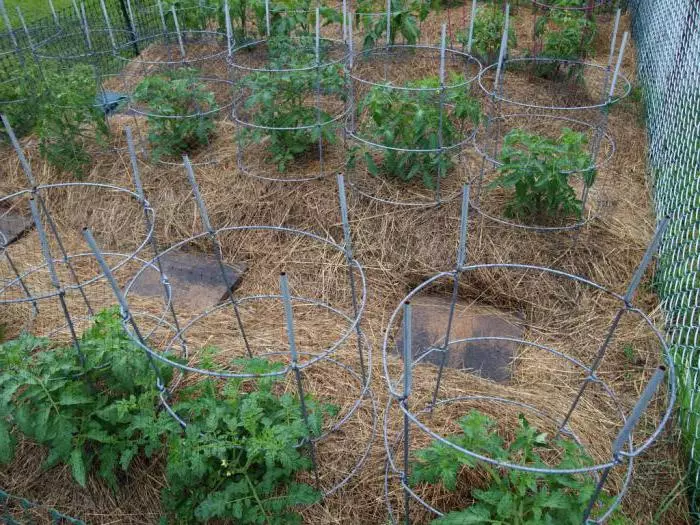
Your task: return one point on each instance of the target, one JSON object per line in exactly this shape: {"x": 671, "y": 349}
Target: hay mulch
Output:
{"x": 398, "y": 248}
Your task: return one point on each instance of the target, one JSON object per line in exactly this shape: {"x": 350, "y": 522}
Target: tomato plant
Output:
{"x": 98, "y": 414}
{"x": 70, "y": 118}
{"x": 287, "y": 100}
{"x": 538, "y": 168}
{"x": 566, "y": 34}
{"x": 181, "y": 111}
{"x": 410, "y": 120}
{"x": 487, "y": 33}
{"x": 192, "y": 15}
{"x": 518, "y": 497}
{"x": 404, "y": 20}
{"x": 19, "y": 104}
{"x": 241, "y": 451}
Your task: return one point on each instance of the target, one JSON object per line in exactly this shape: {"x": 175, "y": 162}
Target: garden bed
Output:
{"x": 398, "y": 248}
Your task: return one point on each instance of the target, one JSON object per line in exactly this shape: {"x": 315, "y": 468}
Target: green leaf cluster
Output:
{"x": 287, "y": 18}
{"x": 69, "y": 118}
{"x": 18, "y": 102}
{"x": 192, "y": 15}
{"x": 238, "y": 458}
{"x": 97, "y": 414}
{"x": 405, "y": 18}
{"x": 566, "y": 34}
{"x": 411, "y": 119}
{"x": 181, "y": 111}
{"x": 241, "y": 451}
{"x": 288, "y": 100}
{"x": 538, "y": 168}
{"x": 487, "y": 34}
{"x": 510, "y": 497}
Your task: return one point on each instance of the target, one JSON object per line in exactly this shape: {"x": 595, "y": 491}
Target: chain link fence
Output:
{"x": 667, "y": 34}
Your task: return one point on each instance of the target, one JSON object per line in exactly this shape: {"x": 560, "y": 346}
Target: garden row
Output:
{"x": 413, "y": 110}
{"x": 241, "y": 438}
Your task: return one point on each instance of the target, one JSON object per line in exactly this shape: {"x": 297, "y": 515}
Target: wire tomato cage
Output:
{"x": 417, "y": 415}
{"x": 46, "y": 270}
{"x": 180, "y": 83}
{"x": 290, "y": 104}
{"x": 419, "y": 84}
{"x": 579, "y": 101}
{"x": 316, "y": 340}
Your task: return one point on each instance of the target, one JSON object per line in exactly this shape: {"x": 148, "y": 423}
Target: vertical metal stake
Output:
{"x": 349, "y": 258}
{"x": 167, "y": 291}
{"x": 631, "y": 289}
{"x": 217, "y": 250}
{"x": 289, "y": 319}
{"x": 48, "y": 259}
{"x": 407, "y": 384}
{"x": 461, "y": 257}
{"x": 626, "y": 431}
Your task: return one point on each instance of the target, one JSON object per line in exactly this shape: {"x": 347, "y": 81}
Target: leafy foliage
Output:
{"x": 287, "y": 18}
{"x": 286, "y": 100}
{"x": 99, "y": 414}
{"x": 241, "y": 451}
{"x": 238, "y": 458}
{"x": 515, "y": 498}
{"x": 19, "y": 105}
{"x": 538, "y": 169}
{"x": 182, "y": 111}
{"x": 487, "y": 33}
{"x": 410, "y": 119}
{"x": 191, "y": 14}
{"x": 405, "y": 18}
{"x": 566, "y": 34}
{"x": 70, "y": 119}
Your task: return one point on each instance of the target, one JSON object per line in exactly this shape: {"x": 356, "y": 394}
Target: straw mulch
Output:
{"x": 398, "y": 248}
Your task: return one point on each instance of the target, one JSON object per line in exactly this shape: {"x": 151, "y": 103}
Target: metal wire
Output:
{"x": 125, "y": 257}
{"x": 354, "y": 129}
{"x": 623, "y": 449}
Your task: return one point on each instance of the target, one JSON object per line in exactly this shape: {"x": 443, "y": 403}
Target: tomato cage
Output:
{"x": 529, "y": 114}
{"x": 181, "y": 94}
{"x": 552, "y": 20}
{"x": 224, "y": 307}
{"x": 76, "y": 69}
{"x": 412, "y": 113}
{"x": 514, "y": 351}
{"x": 49, "y": 282}
{"x": 290, "y": 104}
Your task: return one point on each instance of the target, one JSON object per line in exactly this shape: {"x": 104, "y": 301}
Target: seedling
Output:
{"x": 287, "y": 100}
{"x": 566, "y": 34}
{"x": 515, "y": 497}
{"x": 487, "y": 34}
{"x": 404, "y": 21}
{"x": 97, "y": 415}
{"x": 70, "y": 119}
{"x": 241, "y": 452}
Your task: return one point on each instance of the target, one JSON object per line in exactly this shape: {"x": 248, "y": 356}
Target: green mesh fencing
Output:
{"x": 667, "y": 35}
